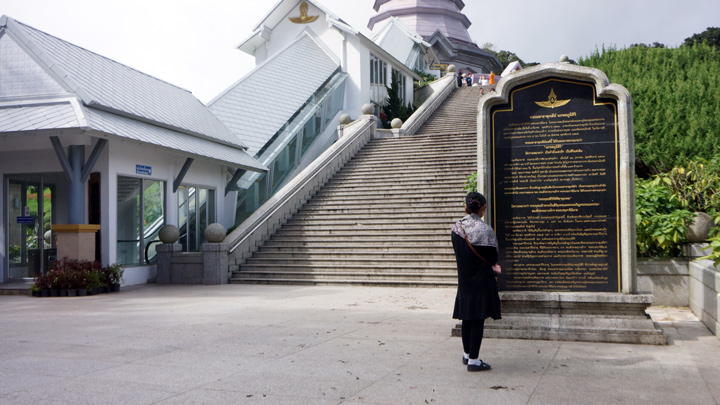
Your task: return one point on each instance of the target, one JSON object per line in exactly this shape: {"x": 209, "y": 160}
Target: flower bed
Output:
{"x": 70, "y": 277}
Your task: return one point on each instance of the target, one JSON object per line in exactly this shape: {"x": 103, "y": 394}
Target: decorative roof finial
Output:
{"x": 304, "y": 18}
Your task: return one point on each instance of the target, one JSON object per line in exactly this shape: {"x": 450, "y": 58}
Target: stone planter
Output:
{"x": 699, "y": 228}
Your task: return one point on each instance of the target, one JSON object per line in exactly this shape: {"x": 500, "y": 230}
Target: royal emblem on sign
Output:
{"x": 552, "y": 101}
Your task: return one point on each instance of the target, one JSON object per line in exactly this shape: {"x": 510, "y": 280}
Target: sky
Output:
{"x": 192, "y": 43}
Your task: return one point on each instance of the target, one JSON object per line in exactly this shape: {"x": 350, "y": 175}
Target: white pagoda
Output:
{"x": 443, "y": 25}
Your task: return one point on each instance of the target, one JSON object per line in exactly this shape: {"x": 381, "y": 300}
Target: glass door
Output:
{"x": 30, "y": 241}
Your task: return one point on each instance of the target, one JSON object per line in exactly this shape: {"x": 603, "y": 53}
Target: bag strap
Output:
{"x": 471, "y": 246}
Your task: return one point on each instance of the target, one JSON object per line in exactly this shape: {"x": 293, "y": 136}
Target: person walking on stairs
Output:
{"x": 476, "y": 253}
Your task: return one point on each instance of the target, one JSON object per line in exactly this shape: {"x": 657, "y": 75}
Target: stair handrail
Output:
{"x": 418, "y": 118}
{"x": 248, "y": 236}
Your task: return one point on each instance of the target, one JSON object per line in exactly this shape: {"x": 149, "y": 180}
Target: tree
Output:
{"x": 711, "y": 35}
{"x": 506, "y": 57}
{"x": 653, "y": 45}
{"x": 676, "y": 101}
{"x": 394, "y": 107}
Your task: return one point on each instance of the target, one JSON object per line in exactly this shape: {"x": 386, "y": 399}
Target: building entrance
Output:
{"x": 30, "y": 243}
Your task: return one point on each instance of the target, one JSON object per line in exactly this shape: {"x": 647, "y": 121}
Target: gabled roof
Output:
{"x": 399, "y": 40}
{"x": 103, "y": 87}
{"x": 263, "y": 30}
{"x": 257, "y": 106}
{"x": 513, "y": 66}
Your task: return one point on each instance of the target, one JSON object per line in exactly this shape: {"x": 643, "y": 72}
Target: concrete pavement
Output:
{"x": 235, "y": 344}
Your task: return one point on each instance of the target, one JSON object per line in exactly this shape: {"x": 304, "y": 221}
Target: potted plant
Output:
{"x": 35, "y": 290}
{"x": 41, "y": 288}
{"x": 94, "y": 285}
{"x": 115, "y": 274}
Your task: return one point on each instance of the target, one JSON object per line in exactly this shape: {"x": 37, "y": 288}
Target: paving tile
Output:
{"x": 234, "y": 344}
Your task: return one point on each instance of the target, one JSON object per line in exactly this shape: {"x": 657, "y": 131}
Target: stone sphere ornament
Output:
{"x": 564, "y": 58}
{"x": 345, "y": 119}
{"x": 396, "y": 123}
{"x": 368, "y": 109}
{"x": 169, "y": 234}
{"x": 215, "y": 233}
{"x": 451, "y": 69}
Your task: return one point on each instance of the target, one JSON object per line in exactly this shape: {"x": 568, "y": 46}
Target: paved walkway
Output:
{"x": 321, "y": 345}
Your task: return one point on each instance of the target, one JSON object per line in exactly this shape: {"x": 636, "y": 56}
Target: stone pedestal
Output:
{"x": 165, "y": 253}
{"x": 696, "y": 250}
{"x": 76, "y": 241}
{"x": 579, "y": 317}
{"x": 215, "y": 263}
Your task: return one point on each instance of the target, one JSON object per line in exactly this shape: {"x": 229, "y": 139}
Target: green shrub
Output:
{"x": 471, "y": 183}
{"x": 676, "y": 100}
{"x": 660, "y": 219}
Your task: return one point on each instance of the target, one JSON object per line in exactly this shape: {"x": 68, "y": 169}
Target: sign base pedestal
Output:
{"x": 572, "y": 316}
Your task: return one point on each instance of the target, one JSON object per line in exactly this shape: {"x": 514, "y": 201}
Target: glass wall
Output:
{"x": 140, "y": 215}
{"x": 286, "y": 150}
{"x": 196, "y": 210}
{"x": 30, "y": 244}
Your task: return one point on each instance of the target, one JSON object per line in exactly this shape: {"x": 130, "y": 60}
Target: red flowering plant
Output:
{"x": 71, "y": 274}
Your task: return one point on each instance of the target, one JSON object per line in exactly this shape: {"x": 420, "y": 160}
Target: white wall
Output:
{"x": 123, "y": 158}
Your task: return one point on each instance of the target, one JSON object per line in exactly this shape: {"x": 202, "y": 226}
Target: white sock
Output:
{"x": 466, "y": 356}
{"x": 474, "y": 362}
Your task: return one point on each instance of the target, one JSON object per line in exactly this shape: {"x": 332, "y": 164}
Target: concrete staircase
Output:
{"x": 385, "y": 218}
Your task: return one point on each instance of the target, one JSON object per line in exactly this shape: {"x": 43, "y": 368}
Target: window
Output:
{"x": 140, "y": 215}
{"x": 378, "y": 80}
{"x": 196, "y": 210}
{"x": 396, "y": 75}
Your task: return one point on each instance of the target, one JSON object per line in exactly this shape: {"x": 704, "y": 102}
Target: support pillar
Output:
{"x": 215, "y": 263}
{"x": 76, "y": 241}
{"x": 76, "y": 192}
{"x": 165, "y": 252}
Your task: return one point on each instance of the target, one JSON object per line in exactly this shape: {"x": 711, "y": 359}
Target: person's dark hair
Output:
{"x": 474, "y": 201}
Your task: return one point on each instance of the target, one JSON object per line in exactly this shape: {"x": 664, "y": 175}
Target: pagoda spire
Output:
{"x": 442, "y": 24}
{"x": 426, "y": 17}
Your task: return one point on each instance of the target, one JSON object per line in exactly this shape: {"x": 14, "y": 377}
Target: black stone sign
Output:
{"x": 555, "y": 188}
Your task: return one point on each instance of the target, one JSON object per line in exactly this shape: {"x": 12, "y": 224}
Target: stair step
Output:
{"x": 384, "y": 219}
{"x": 399, "y": 282}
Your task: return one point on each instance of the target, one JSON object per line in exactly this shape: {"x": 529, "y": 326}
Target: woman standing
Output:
{"x": 476, "y": 253}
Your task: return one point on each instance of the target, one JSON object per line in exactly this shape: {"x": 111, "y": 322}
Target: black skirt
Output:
{"x": 477, "y": 294}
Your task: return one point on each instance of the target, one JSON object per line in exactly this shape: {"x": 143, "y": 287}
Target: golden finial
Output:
{"x": 304, "y": 18}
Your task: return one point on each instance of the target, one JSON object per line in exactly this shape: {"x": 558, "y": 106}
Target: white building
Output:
{"x": 311, "y": 68}
{"x": 88, "y": 141}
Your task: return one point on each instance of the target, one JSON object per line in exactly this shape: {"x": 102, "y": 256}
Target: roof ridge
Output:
{"x": 267, "y": 61}
{"x": 26, "y": 26}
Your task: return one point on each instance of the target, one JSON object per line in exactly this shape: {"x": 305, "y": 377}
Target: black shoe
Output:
{"x": 482, "y": 367}
{"x": 465, "y": 360}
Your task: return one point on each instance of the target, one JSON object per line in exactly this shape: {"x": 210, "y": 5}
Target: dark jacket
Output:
{"x": 477, "y": 294}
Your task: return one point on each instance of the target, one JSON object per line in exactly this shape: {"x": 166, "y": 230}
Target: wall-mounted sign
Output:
{"x": 27, "y": 220}
{"x": 144, "y": 170}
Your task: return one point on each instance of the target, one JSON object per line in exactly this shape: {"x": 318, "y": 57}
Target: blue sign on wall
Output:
{"x": 144, "y": 170}
{"x": 26, "y": 220}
